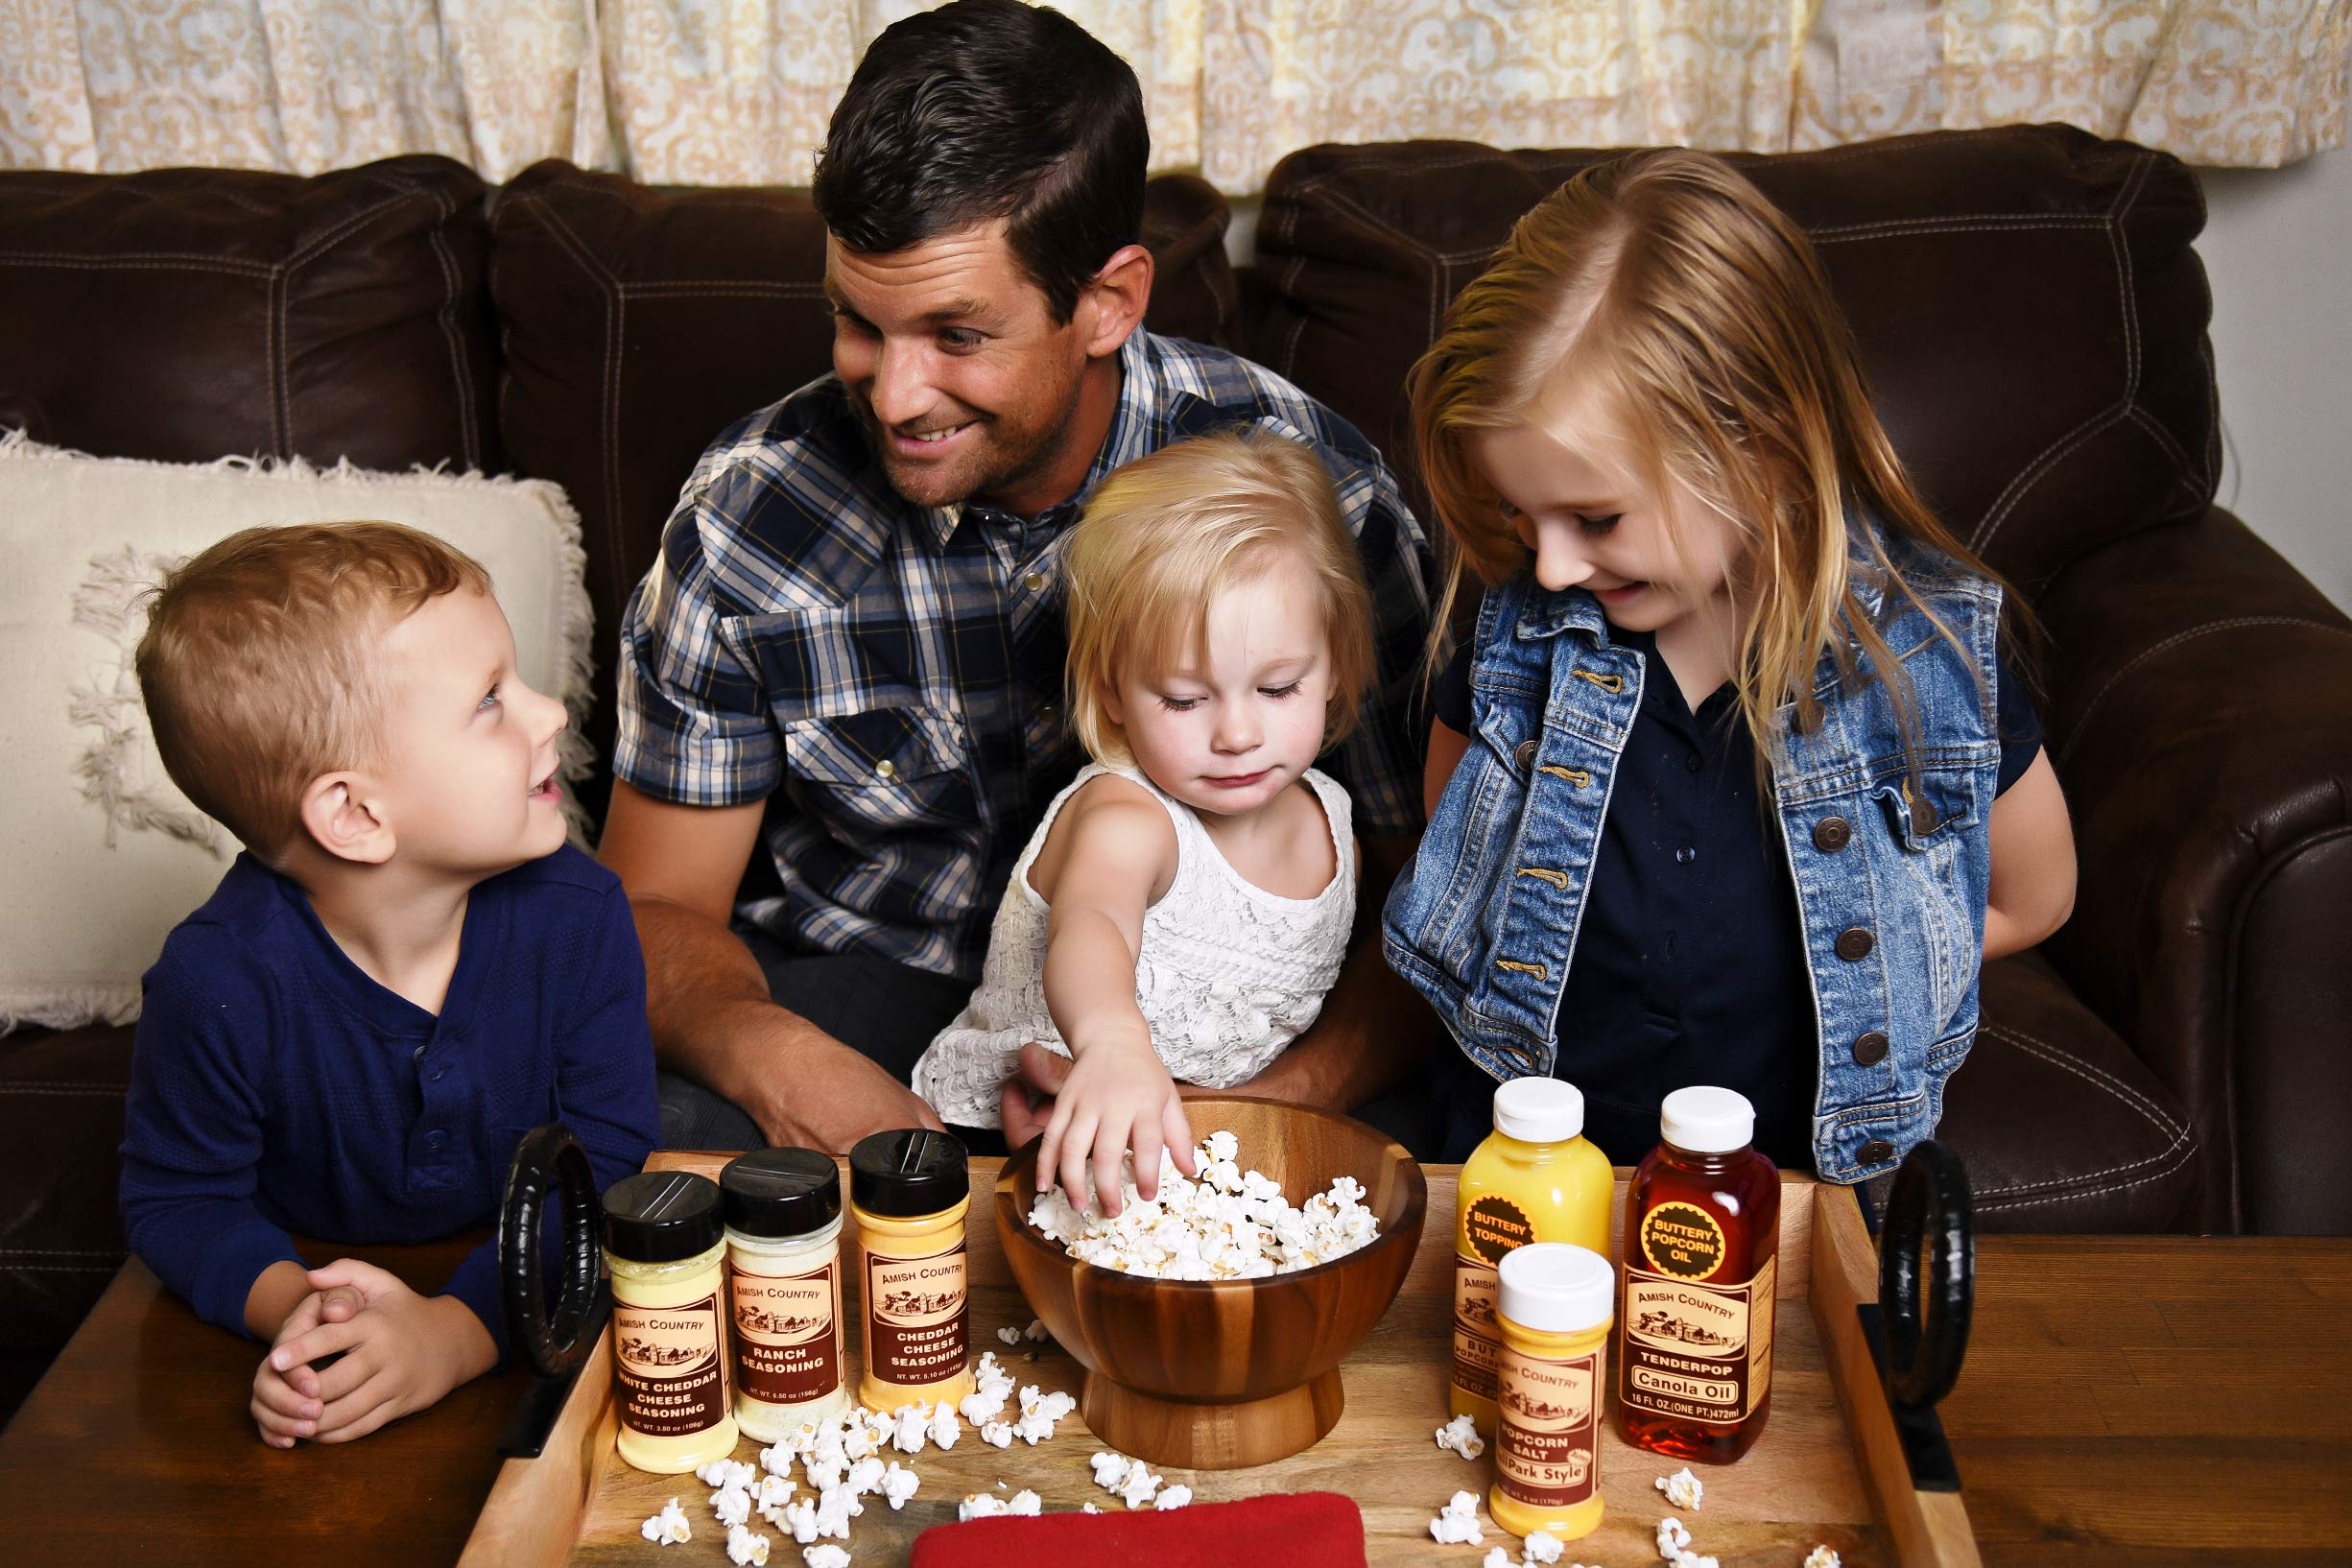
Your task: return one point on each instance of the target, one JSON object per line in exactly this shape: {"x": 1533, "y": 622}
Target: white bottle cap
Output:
{"x": 1554, "y": 1288}
{"x": 1707, "y": 1121}
{"x": 1539, "y": 1111}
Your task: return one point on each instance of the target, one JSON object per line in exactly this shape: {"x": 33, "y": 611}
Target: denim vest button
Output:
{"x": 1832, "y": 833}
{"x": 1854, "y": 943}
{"x": 1870, "y": 1049}
{"x": 1877, "y": 1151}
{"x": 1524, "y": 756}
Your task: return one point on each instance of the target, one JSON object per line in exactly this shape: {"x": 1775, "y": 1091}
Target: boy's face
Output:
{"x": 469, "y": 767}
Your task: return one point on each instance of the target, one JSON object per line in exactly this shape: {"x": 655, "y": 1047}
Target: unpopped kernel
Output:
{"x": 1460, "y": 1435}
{"x": 1227, "y": 1224}
{"x": 1682, "y": 1488}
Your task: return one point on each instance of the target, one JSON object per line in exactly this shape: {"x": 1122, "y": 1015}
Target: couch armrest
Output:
{"x": 2200, "y": 718}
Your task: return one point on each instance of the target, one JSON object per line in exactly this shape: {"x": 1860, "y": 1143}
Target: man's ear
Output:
{"x": 1112, "y": 305}
{"x": 345, "y": 820}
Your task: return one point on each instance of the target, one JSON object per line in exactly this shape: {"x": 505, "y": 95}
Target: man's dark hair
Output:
{"x": 989, "y": 109}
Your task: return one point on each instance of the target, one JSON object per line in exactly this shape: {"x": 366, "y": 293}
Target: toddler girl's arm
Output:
{"x": 2033, "y": 863}
{"x": 1109, "y": 856}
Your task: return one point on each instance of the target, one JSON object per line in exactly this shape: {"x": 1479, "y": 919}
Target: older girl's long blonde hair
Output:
{"x": 1667, "y": 287}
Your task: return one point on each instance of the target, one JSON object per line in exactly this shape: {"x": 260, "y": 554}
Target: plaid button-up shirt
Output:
{"x": 888, "y": 676}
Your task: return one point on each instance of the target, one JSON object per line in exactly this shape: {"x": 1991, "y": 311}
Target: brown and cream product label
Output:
{"x": 1696, "y": 1353}
{"x": 1493, "y": 1225}
{"x": 914, "y": 1318}
{"x": 671, "y": 1367}
{"x": 1545, "y": 1449}
{"x": 788, "y": 1333}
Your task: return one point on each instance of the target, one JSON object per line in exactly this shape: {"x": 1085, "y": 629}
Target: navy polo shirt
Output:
{"x": 1689, "y": 964}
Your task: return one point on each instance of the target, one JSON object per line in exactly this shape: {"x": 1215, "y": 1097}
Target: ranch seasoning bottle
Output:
{"x": 1694, "y": 1327}
{"x": 1536, "y": 1179}
{"x": 784, "y": 1263}
{"x": 664, "y": 1243}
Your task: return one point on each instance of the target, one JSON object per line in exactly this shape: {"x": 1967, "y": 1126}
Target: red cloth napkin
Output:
{"x": 1300, "y": 1530}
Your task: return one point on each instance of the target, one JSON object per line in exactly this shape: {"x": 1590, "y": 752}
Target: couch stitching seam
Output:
{"x": 2232, "y": 623}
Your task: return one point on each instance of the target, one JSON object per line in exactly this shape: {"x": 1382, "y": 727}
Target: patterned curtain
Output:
{"x": 738, "y": 91}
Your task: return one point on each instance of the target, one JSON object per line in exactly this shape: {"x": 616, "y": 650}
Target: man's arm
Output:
{"x": 706, "y": 997}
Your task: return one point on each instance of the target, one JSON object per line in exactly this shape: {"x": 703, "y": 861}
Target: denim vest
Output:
{"x": 1890, "y": 868}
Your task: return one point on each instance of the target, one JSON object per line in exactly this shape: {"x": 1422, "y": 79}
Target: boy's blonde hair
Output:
{"x": 1666, "y": 289}
{"x": 260, "y": 665}
{"x": 1166, "y": 534}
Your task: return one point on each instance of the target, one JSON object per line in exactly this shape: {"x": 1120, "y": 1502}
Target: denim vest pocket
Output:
{"x": 1842, "y": 1140}
{"x": 1936, "y": 802}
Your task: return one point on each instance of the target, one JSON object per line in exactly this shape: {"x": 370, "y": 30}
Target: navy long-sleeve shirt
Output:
{"x": 276, "y": 1087}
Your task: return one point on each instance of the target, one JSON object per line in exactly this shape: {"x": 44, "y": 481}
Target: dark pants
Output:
{"x": 875, "y": 1006}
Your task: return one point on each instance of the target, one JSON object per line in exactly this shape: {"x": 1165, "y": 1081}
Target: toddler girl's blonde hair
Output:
{"x": 1166, "y": 534}
{"x": 1666, "y": 289}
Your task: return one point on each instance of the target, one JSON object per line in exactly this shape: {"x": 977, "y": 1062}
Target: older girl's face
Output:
{"x": 1571, "y": 491}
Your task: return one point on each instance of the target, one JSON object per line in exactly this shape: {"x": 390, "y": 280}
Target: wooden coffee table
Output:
{"x": 2125, "y": 1401}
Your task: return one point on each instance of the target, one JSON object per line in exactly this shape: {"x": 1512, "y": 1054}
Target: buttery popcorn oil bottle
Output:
{"x": 1695, "y": 1326}
{"x": 1536, "y": 1179}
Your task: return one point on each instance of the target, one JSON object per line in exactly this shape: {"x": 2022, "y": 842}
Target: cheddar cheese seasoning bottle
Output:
{"x": 1702, "y": 1238}
{"x": 664, "y": 1243}
{"x": 1537, "y": 1178}
{"x": 1553, "y": 1310}
{"x": 908, "y": 1194}
{"x": 784, "y": 1267}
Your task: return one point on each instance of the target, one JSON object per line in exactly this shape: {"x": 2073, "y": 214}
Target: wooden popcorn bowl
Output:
{"x": 1218, "y": 1375}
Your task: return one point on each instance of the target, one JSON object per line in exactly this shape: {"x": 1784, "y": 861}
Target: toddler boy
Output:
{"x": 405, "y": 971}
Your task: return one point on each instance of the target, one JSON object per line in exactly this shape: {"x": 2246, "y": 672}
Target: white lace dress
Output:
{"x": 1228, "y": 975}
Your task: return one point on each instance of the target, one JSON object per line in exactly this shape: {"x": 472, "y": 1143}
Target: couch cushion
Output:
{"x": 638, "y": 323}
{"x": 191, "y": 314}
{"x": 2031, "y": 317}
{"x": 61, "y": 1124}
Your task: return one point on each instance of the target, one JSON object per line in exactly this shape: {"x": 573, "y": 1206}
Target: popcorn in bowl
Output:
{"x": 1228, "y": 1224}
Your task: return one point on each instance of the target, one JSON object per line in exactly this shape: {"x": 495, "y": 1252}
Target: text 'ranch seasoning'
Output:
{"x": 908, "y": 1193}
{"x": 1702, "y": 1242}
{"x": 1553, "y": 1310}
{"x": 665, "y": 1244}
{"x": 784, "y": 1271}
{"x": 1536, "y": 1179}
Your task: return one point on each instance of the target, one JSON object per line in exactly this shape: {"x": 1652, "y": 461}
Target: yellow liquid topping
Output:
{"x": 1511, "y": 1193}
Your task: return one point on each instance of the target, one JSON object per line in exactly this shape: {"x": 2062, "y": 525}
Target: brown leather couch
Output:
{"x": 2032, "y": 317}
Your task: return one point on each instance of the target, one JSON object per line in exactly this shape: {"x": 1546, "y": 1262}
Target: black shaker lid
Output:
{"x": 662, "y": 1216}
{"x": 781, "y": 1191}
{"x": 909, "y": 1172}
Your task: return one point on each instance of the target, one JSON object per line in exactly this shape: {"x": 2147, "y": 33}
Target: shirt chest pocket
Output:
{"x": 891, "y": 767}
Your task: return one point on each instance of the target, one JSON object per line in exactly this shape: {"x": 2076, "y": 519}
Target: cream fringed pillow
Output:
{"x": 99, "y": 855}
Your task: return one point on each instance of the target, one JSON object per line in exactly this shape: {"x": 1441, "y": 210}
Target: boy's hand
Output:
{"x": 286, "y": 1404}
{"x": 399, "y": 1355}
{"x": 1118, "y": 1096}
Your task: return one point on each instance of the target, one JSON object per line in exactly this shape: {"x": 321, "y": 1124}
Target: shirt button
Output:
{"x": 1694, "y": 762}
{"x": 438, "y": 1073}
{"x": 1034, "y": 582}
{"x": 1524, "y": 756}
{"x": 1854, "y": 943}
{"x": 1877, "y": 1151}
{"x": 434, "y": 1140}
{"x": 886, "y": 769}
{"x": 1685, "y": 855}
{"x": 1832, "y": 833}
{"x": 1049, "y": 713}
{"x": 418, "y": 1054}
{"x": 1870, "y": 1049}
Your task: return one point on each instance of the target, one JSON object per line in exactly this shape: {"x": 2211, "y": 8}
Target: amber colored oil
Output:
{"x": 1741, "y": 1191}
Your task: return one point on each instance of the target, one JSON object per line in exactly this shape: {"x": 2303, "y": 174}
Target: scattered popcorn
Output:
{"x": 997, "y": 1434}
{"x": 1457, "y": 1524}
{"x": 721, "y": 1474}
{"x": 1227, "y": 1224}
{"x": 1089, "y": 1508}
{"x": 669, "y": 1526}
{"x": 779, "y": 1461}
{"x": 732, "y": 1506}
{"x": 800, "y": 1518}
{"x": 1033, "y": 1428}
{"x": 981, "y": 1505}
{"x": 981, "y": 1406}
{"x": 1036, "y": 1330}
{"x": 745, "y": 1548}
{"x": 825, "y": 1557}
{"x": 1682, "y": 1488}
{"x": 1673, "y": 1537}
{"x": 898, "y": 1484}
{"x": 1460, "y": 1435}
{"x": 1223, "y": 1146}
{"x": 1010, "y": 1334}
{"x": 1027, "y": 1503}
{"x": 1691, "y": 1559}
{"x": 944, "y": 1428}
{"x": 1109, "y": 1469}
{"x": 865, "y": 1477}
{"x": 772, "y": 1492}
{"x": 1137, "y": 1488}
{"x": 835, "y": 1508}
{"x": 1174, "y": 1497}
{"x": 824, "y": 1474}
{"x": 1821, "y": 1557}
{"x": 1497, "y": 1557}
{"x": 1542, "y": 1547}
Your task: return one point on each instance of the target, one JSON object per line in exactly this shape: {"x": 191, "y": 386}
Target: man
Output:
{"x": 848, "y": 656}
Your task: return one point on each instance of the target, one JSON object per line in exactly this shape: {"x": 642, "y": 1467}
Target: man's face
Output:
{"x": 953, "y": 361}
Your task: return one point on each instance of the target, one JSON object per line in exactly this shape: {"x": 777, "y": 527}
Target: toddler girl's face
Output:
{"x": 1241, "y": 718}
{"x": 1572, "y": 493}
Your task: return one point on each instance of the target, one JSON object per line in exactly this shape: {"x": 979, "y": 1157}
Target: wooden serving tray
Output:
{"x": 1828, "y": 1470}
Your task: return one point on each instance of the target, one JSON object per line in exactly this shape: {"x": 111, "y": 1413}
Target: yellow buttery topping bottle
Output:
{"x": 1536, "y": 1179}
